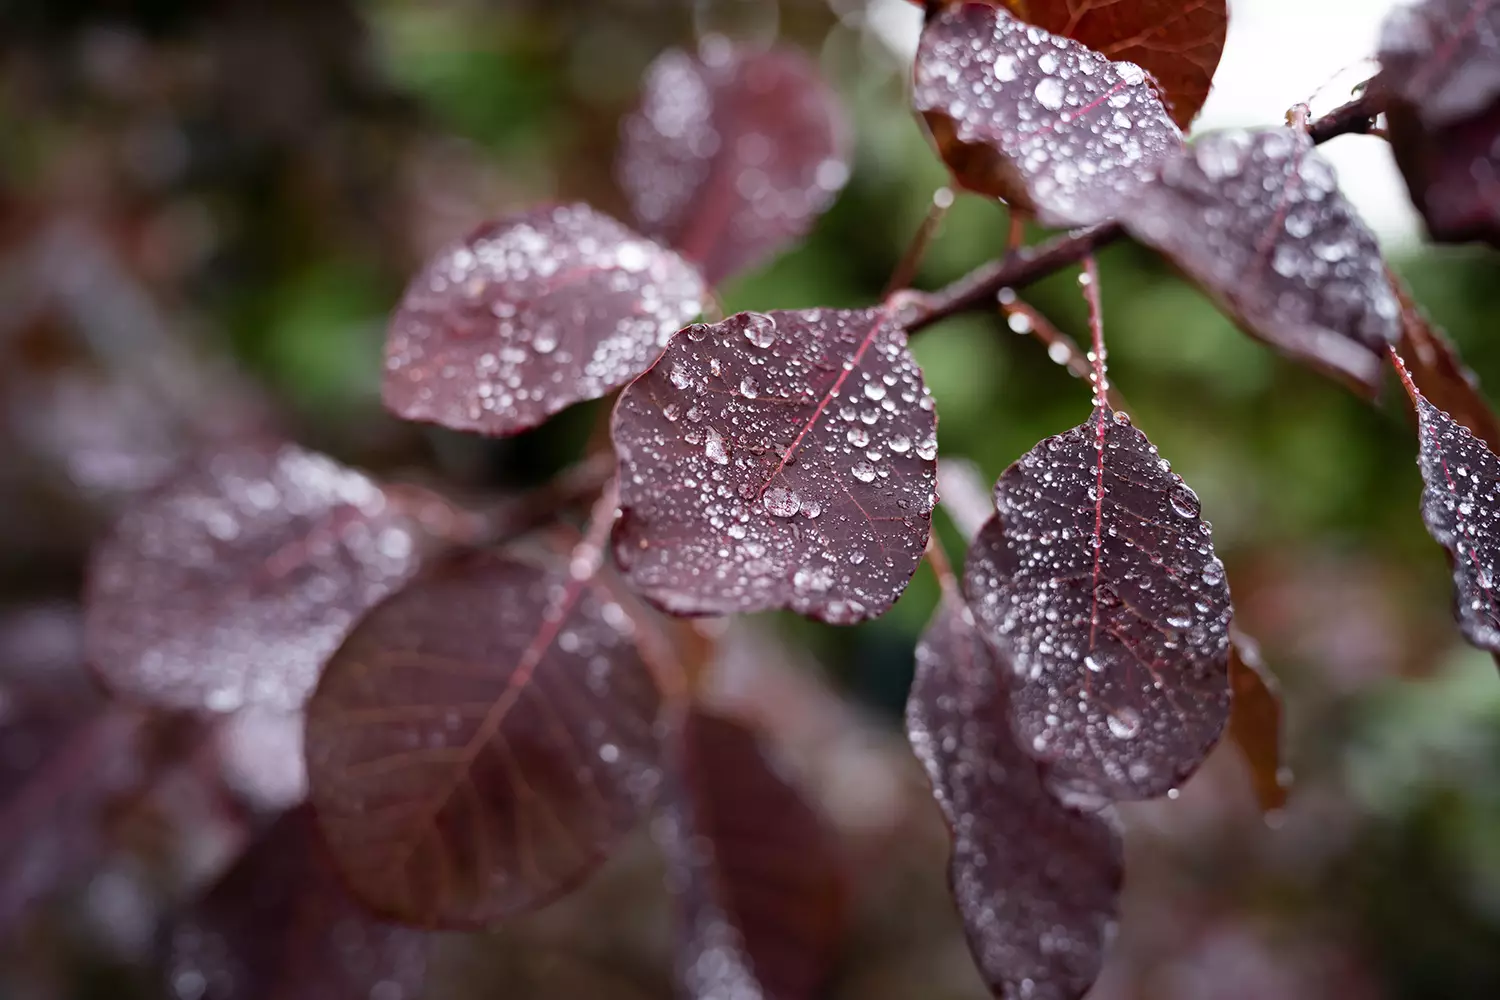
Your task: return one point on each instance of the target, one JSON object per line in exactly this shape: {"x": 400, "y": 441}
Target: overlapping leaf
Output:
{"x": 1435, "y": 365}
{"x": 1098, "y": 582}
{"x": 780, "y": 460}
{"x": 236, "y": 580}
{"x": 279, "y": 926}
{"x": 482, "y": 741}
{"x": 1440, "y": 85}
{"x": 732, "y": 154}
{"x": 1037, "y": 119}
{"x": 759, "y": 882}
{"x": 1035, "y": 880}
{"x": 1255, "y": 721}
{"x": 531, "y": 314}
{"x": 1256, "y": 218}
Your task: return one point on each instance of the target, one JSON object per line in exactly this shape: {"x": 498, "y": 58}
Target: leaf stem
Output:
{"x": 906, "y": 269}
{"x": 1089, "y": 279}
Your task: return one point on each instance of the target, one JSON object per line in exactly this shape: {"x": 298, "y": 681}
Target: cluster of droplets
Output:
{"x": 1076, "y": 131}
{"x": 778, "y": 460}
{"x": 1105, "y": 595}
{"x": 236, "y": 582}
{"x": 530, "y": 315}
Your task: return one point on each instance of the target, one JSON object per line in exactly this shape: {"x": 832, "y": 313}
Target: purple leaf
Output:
{"x": 781, "y": 460}
{"x": 531, "y": 314}
{"x": 1434, "y": 362}
{"x": 1098, "y": 582}
{"x": 280, "y": 926}
{"x": 234, "y": 582}
{"x": 1256, "y": 219}
{"x": 1035, "y": 881}
{"x": 482, "y": 741}
{"x": 1042, "y": 121}
{"x": 732, "y": 155}
{"x": 1255, "y": 721}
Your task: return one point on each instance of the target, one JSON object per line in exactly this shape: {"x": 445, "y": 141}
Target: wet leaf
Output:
{"x": 780, "y": 460}
{"x": 732, "y": 155}
{"x": 1440, "y": 85}
{"x": 1039, "y": 120}
{"x": 1035, "y": 881}
{"x": 1435, "y": 365}
{"x": 280, "y": 926}
{"x": 758, "y": 879}
{"x": 234, "y": 582}
{"x": 1256, "y": 219}
{"x": 531, "y": 314}
{"x": 1098, "y": 582}
{"x": 482, "y": 741}
{"x": 1255, "y": 721}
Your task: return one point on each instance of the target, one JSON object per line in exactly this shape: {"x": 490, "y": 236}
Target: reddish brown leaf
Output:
{"x": 1039, "y": 120}
{"x": 1440, "y": 84}
{"x": 1256, "y": 218}
{"x": 732, "y": 155}
{"x": 758, "y": 877}
{"x": 531, "y": 314}
{"x": 784, "y": 460}
{"x": 482, "y": 741}
{"x": 1098, "y": 582}
{"x": 280, "y": 926}
{"x": 236, "y": 580}
{"x": 1255, "y": 721}
{"x": 1435, "y": 365}
{"x": 1036, "y": 882}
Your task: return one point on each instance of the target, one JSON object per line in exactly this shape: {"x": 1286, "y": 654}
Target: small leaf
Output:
{"x": 1041, "y": 121}
{"x": 1098, "y": 582}
{"x": 235, "y": 581}
{"x": 531, "y": 314}
{"x": 482, "y": 741}
{"x": 1036, "y": 882}
{"x": 280, "y": 926}
{"x": 1256, "y": 218}
{"x": 1255, "y": 721}
{"x": 1440, "y": 85}
{"x": 1436, "y": 366}
{"x": 733, "y": 154}
{"x": 780, "y": 460}
{"x": 758, "y": 879}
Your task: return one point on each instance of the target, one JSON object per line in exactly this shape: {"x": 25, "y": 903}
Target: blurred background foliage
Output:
{"x": 244, "y": 186}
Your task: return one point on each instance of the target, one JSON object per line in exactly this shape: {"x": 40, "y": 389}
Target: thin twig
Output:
{"x": 1098, "y": 357}
{"x": 906, "y": 269}
{"x": 579, "y": 483}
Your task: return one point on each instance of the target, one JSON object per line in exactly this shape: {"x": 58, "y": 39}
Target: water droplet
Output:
{"x": 748, "y": 387}
{"x": 1005, "y": 68}
{"x": 1184, "y": 501}
{"x": 780, "y": 502}
{"x": 1049, "y": 93}
{"x": 760, "y": 329}
{"x": 716, "y": 448}
{"x": 1125, "y": 723}
{"x": 863, "y": 471}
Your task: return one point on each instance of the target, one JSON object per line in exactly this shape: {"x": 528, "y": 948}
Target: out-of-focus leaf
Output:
{"x": 1255, "y": 720}
{"x": 781, "y": 460}
{"x": 1435, "y": 366}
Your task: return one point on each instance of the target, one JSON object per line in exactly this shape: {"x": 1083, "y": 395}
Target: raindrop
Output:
{"x": 760, "y": 329}
{"x": 863, "y": 471}
{"x": 1049, "y": 93}
{"x": 780, "y": 502}
{"x": 1184, "y": 501}
{"x": 1125, "y": 723}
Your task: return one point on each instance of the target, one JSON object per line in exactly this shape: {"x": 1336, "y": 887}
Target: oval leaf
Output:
{"x": 1039, "y": 120}
{"x": 780, "y": 460}
{"x": 757, "y": 875}
{"x": 280, "y": 926}
{"x": 531, "y": 314}
{"x": 732, "y": 155}
{"x": 1036, "y": 882}
{"x": 1255, "y": 721}
{"x": 481, "y": 742}
{"x": 236, "y": 581}
{"x": 1098, "y": 582}
{"x": 1256, "y": 219}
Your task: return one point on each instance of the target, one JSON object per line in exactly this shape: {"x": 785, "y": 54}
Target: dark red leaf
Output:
{"x": 733, "y": 154}
{"x": 280, "y": 926}
{"x": 531, "y": 314}
{"x": 236, "y": 580}
{"x": 482, "y": 741}
{"x": 1440, "y": 85}
{"x": 1255, "y": 721}
{"x": 1039, "y": 120}
{"x": 1435, "y": 365}
{"x": 758, "y": 877}
{"x": 1098, "y": 582}
{"x": 784, "y": 460}
{"x": 1036, "y": 882}
{"x": 1256, "y": 218}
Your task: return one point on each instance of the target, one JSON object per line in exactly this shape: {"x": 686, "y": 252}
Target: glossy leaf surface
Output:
{"x": 781, "y": 460}
{"x": 1035, "y": 881}
{"x": 234, "y": 582}
{"x": 1257, "y": 220}
{"x": 732, "y": 155}
{"x": 1447, "y": 382}
{"x": 481, "y": 742}
{"x": 1255, "y": 721}
{"x": 1039, "y": 120}
{"x": 280, "y": 926}
{"x": 531, "y": 314}
{"x": 1098, "y": 582}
